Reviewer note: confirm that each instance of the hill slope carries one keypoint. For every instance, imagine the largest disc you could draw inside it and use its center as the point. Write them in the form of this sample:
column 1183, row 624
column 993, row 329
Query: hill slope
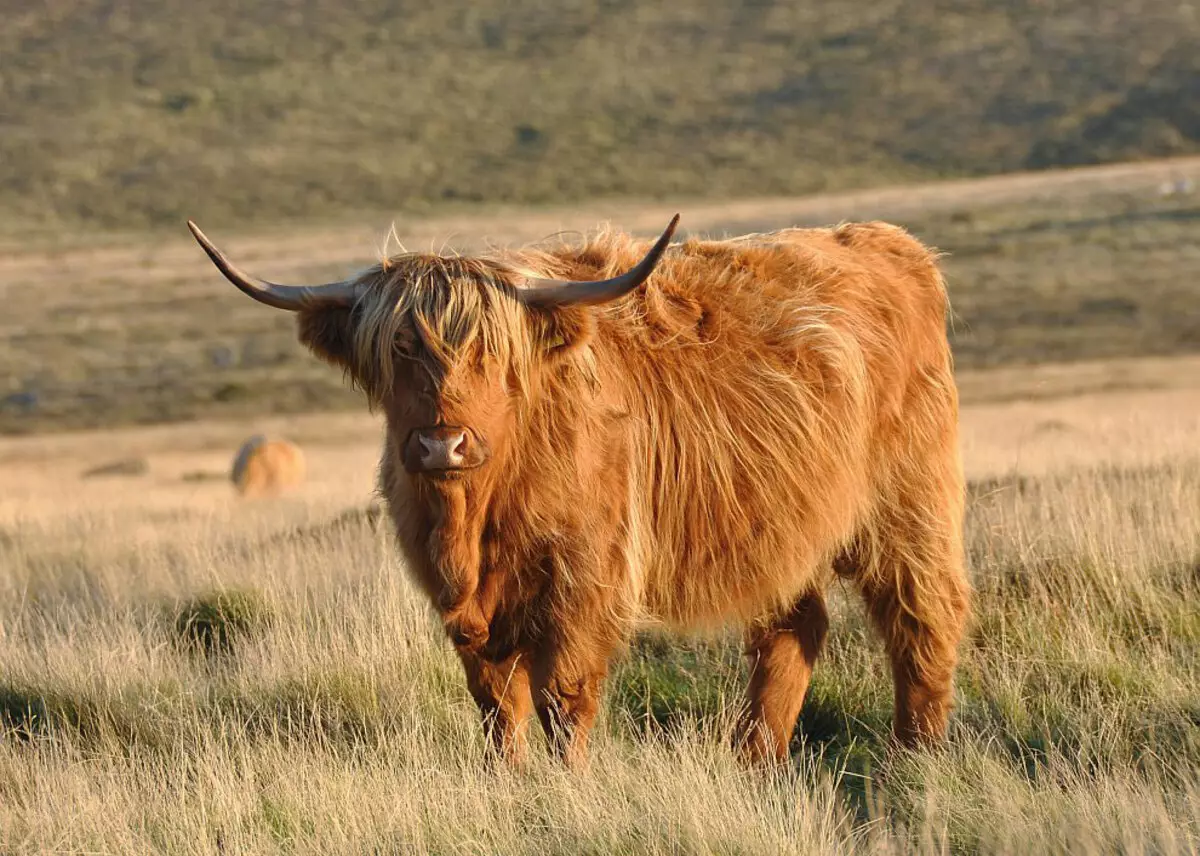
column 1084, row 264
column 134, row 113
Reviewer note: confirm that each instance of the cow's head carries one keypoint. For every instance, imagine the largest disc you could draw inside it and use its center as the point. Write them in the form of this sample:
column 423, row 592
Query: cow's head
column 450, row 348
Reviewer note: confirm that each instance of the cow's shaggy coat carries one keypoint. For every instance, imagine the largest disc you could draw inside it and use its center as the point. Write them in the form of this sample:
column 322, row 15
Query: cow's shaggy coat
column 759, row 415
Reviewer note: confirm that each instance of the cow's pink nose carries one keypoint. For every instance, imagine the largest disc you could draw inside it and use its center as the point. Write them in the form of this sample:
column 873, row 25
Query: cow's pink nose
column 444, row 452
column 442, row 448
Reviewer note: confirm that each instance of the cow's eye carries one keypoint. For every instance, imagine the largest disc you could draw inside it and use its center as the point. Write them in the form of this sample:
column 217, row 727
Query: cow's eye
column 422, row 382
column 406, row 342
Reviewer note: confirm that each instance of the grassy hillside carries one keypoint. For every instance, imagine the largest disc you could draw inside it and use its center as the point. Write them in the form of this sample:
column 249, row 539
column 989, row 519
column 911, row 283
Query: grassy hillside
column 135, row 113
column 1068, row 267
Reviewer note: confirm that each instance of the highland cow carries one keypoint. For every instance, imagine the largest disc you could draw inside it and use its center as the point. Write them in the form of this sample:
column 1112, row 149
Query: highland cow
column 265, row 467
column 573, row 451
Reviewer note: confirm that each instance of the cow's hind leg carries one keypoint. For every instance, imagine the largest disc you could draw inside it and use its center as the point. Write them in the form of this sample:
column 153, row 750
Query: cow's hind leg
column 917, row 595
column 782, row 653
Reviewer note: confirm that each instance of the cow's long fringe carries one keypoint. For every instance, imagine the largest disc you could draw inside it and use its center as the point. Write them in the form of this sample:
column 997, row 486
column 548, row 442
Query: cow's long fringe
column 456, row 308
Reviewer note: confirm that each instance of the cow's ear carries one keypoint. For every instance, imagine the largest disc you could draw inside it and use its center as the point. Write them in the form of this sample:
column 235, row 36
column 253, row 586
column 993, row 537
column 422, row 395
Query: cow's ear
column 564, row 331
column 328, row 333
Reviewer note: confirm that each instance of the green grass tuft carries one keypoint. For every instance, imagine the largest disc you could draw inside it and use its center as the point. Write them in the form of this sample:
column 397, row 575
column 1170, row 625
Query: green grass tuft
column 215, row 622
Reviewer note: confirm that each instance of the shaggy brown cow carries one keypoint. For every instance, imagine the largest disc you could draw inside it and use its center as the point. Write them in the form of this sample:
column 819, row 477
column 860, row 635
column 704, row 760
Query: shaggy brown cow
column 265, row 467
column 709, row 436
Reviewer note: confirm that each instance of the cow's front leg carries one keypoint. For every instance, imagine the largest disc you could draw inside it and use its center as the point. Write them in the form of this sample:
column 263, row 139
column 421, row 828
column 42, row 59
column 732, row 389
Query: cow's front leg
column 568, row 701
column 569, row 676
column 589, row 609
column 501, row 688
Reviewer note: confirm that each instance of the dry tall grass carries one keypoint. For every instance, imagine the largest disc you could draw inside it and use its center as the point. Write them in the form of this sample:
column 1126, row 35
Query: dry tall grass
column 213, row 677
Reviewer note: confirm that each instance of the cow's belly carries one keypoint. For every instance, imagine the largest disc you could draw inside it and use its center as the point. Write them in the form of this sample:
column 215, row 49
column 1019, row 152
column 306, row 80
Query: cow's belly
column 699, row 587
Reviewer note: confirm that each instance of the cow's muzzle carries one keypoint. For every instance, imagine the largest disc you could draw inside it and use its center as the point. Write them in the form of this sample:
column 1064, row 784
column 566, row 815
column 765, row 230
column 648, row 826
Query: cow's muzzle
column 443, row 450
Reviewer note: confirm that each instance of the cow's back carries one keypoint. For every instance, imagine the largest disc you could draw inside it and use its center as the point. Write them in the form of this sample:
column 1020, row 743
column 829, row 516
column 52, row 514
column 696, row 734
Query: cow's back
column 774, row 380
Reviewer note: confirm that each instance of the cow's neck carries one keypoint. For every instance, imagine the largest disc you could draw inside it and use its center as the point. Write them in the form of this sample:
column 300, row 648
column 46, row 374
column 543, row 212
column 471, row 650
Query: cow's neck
column 530, row 495
column 525, row 496
column 456, row 520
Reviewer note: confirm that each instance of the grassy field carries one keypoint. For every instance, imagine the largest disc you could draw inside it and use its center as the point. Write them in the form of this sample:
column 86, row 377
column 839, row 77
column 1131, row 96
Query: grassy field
column 103, row 330
column 138, row 113
column 183, row 673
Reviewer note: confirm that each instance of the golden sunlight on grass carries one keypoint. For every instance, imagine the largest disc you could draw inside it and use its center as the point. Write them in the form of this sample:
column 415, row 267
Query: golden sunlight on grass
column 186, row 673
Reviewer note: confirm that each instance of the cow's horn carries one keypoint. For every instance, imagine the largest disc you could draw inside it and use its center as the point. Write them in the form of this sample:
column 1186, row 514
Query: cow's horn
column 548, row 293
column 290, row 297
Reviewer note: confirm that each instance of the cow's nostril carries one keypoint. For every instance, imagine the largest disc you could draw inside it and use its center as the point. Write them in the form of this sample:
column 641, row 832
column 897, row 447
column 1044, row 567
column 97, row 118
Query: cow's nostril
column 442, row 448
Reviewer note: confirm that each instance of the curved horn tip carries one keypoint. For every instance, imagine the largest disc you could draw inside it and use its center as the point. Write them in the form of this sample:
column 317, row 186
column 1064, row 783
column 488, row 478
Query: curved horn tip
column 200, row 237
column 289, row 297
column 670, row 230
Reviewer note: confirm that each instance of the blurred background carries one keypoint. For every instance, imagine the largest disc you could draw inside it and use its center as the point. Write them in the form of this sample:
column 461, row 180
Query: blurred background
column 297, row 132
column 121, row 114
